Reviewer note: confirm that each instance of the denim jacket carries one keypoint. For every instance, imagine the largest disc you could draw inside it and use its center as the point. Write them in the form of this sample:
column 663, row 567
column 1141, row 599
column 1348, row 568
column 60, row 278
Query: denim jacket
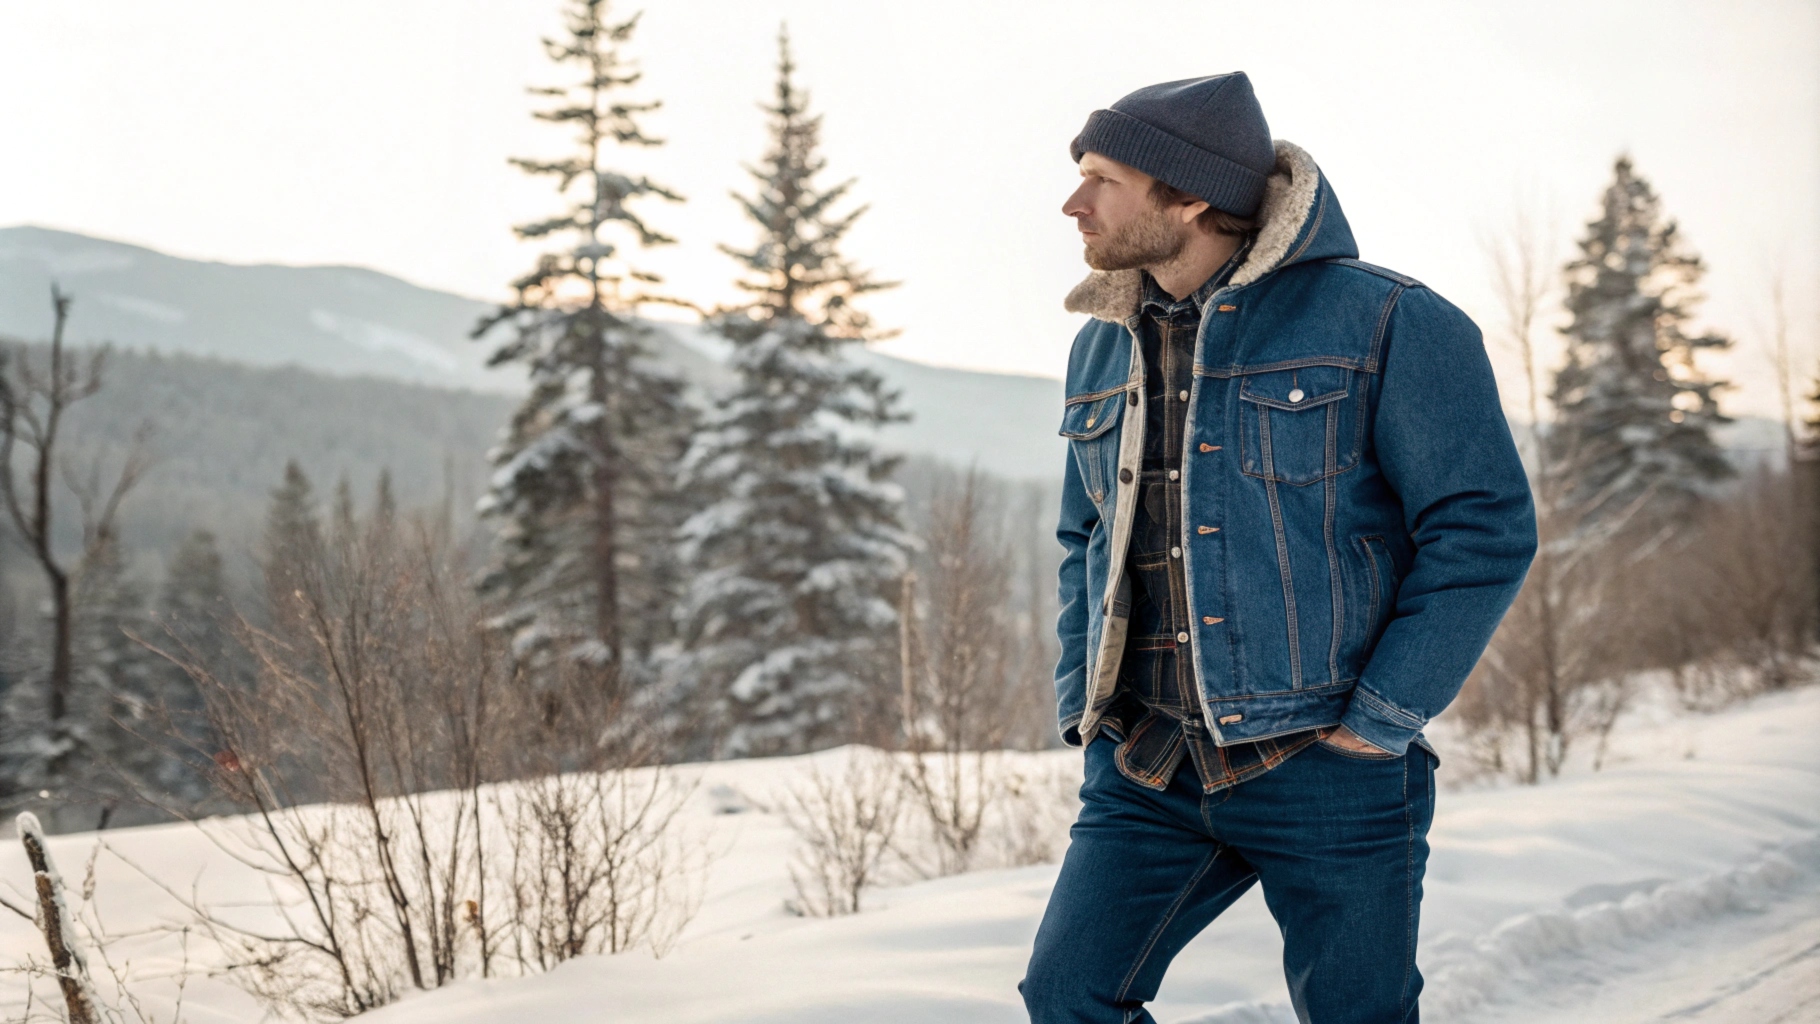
column 1356, row 518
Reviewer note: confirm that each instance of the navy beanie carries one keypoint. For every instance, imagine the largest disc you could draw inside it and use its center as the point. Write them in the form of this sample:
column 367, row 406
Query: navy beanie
column 1205, row 136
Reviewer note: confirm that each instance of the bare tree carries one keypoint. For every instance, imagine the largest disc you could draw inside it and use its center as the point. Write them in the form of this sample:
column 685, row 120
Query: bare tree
column 1783, row 363
column 960, row 688
column 34, row 401
column 1553, row 648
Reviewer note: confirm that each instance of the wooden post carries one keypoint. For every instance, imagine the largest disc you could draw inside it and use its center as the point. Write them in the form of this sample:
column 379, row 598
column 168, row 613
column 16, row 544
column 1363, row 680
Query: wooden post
column 54, row 921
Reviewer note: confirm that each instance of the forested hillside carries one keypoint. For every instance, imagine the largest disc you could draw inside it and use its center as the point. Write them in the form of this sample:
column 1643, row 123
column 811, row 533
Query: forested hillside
column 221, row 433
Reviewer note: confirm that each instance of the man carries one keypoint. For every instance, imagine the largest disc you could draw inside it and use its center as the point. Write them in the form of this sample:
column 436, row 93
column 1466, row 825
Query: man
column 1293, row 515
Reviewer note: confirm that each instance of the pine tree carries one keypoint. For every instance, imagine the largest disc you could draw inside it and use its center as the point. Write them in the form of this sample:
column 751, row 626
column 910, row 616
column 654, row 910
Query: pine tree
column 121, row 698
column 794, row 565
column 195, row 615
column 1635, row 410
column 583, row 484
column 291, row 545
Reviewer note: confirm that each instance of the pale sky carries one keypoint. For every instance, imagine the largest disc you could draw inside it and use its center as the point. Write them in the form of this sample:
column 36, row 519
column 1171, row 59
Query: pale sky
column 375, row 132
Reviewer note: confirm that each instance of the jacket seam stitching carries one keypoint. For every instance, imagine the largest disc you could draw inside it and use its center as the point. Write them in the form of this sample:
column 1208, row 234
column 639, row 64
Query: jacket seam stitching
column 1238, row 370
column 1095, row 396
column 1282, row 542
column 1333, row 556
column 1377, row 337
column 1377, row 585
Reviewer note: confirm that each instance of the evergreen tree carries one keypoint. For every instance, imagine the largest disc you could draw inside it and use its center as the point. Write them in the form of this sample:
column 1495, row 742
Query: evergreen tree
column 583, row 484
column 122, row 692
column 194, row 609
column 794, row 564
column 1635, row 411
column 291, row 545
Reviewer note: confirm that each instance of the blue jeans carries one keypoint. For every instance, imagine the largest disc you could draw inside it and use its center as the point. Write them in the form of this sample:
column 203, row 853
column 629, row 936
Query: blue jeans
column 1338, row 840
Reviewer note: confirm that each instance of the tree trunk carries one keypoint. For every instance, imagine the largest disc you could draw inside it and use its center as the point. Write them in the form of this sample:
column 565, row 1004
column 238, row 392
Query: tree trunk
column 606, row 532
column 62, row 641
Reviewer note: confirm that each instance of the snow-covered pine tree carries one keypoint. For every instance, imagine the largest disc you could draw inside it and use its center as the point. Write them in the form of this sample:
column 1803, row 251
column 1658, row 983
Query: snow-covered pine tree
column 583, row 488
column 195, row 618
column 120, row 696
column 790, row 615
column 1635, row 411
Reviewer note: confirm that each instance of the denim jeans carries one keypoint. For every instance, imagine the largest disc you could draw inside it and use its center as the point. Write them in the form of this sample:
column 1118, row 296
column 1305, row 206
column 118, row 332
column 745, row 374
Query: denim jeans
column 1337, row 839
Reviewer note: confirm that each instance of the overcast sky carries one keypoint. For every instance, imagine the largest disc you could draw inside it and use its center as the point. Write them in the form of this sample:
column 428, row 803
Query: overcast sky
column 375, row 132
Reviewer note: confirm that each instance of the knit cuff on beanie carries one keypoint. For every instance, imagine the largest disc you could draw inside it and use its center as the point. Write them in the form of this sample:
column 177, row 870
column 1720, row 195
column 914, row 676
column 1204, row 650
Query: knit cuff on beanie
column 1225, row 185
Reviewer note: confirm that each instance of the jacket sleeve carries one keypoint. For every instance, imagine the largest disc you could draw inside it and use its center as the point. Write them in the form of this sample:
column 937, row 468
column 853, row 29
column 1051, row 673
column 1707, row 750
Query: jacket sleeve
column 1445, row 448
column 1079, row 515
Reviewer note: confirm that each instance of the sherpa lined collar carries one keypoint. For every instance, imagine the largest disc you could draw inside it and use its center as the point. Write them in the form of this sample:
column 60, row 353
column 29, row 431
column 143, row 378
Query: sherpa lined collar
column 1289, row 194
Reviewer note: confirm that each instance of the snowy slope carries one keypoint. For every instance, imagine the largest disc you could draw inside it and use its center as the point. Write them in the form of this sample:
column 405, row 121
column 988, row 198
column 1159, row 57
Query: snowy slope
column 1680, row 883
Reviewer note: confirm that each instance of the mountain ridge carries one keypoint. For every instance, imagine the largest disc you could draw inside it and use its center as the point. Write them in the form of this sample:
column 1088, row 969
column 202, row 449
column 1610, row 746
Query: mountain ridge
column 350, row 321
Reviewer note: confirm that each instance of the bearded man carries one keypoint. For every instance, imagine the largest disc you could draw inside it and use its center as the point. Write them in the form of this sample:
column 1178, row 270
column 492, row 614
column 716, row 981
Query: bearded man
column 1293, row 515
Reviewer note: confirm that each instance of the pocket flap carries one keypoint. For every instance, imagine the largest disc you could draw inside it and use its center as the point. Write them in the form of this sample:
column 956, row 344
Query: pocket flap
column 1302, row 388
column 1090, row 416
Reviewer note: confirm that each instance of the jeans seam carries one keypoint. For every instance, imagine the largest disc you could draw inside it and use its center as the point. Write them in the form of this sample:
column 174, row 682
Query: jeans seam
column 1157, row 932
column 1409, row 896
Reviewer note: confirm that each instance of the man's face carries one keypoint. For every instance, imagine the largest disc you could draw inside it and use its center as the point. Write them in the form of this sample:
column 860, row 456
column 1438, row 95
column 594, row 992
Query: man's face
column 1123, row 228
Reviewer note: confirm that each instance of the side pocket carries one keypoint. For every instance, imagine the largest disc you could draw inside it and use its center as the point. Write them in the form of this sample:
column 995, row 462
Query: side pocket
column 1377, row 564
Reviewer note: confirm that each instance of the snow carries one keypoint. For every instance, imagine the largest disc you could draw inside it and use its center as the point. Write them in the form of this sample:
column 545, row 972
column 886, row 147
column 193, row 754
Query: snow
column 375, row 337
column 1681, row 883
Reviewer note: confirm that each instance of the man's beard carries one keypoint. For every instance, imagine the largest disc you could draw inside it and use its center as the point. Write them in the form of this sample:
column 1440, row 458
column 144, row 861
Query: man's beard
column 1148, row 241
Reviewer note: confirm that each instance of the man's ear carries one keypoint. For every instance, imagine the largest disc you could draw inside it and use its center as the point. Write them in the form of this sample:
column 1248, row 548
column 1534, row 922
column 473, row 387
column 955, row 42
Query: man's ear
column 1189, row 211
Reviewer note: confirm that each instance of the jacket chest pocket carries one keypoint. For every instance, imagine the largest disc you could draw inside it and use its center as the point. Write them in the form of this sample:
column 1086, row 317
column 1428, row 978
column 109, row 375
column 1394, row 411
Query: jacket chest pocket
column 1298, row 426
column 1087, row 423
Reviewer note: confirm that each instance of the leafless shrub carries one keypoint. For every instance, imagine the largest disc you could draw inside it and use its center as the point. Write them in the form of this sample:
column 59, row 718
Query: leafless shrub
column 845, row 826
column 959, row 692
column 387, row 750
column 375, row 690
column 1746, row 571
column 596, row 865
column 1037, row 801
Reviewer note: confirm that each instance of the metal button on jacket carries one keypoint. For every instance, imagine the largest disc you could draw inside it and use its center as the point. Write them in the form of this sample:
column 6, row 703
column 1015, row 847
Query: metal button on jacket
column 1124, row 476
column 1296, row 395
column 1183, row 396
column 1181, row 638
column 1175, row 474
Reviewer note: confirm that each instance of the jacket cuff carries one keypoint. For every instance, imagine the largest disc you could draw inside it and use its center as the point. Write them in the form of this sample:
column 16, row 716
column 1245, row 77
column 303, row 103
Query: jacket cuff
column 1380, row 722
column 1071, row 729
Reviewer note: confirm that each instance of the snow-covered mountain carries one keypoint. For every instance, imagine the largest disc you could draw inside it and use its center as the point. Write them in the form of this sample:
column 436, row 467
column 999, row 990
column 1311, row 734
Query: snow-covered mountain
column 349, row 321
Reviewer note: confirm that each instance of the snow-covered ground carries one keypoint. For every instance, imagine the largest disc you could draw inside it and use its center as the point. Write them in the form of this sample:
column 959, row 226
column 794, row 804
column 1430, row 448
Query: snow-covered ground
column 1681, row 883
